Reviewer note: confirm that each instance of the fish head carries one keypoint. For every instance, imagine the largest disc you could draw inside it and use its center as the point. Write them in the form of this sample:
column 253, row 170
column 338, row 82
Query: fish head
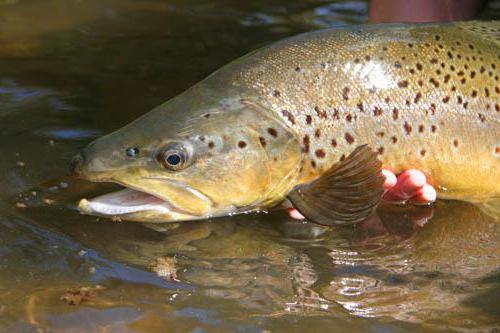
column 209, row 162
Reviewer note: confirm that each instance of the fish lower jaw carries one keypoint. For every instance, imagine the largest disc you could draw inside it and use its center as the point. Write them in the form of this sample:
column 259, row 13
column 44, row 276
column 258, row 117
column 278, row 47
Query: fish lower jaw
column 129, row 204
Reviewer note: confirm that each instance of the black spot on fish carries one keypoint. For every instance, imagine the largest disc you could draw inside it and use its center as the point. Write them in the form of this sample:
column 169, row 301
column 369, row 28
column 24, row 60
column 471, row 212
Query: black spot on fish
column 455, row 143
column 308, row 119
column 262, row 141
column 380, row 150
column 334, row 143
column 242, row 144
column 272, row 132
column 345, row 93
column 394, row 139
column 418, row 96
column 360, row 107
column 482, row 118
column 336, row 114
column 289, row 116
column 306, row 143
column 395, row 114
column 317, row 133
column 403, row 84
column 276, row 93
column 322, row 114
column 377, row 111
column 211, row 145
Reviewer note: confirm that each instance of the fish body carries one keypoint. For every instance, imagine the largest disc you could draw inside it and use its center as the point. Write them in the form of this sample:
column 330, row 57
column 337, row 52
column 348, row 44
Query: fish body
column 424, row 96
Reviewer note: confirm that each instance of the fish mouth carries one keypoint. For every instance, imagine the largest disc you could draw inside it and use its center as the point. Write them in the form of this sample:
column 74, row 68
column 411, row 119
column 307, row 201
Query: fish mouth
column 134, row 204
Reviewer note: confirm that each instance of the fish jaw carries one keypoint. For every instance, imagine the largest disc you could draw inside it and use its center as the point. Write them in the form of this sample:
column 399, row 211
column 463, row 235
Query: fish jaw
column 132, row 205
column 148, row 198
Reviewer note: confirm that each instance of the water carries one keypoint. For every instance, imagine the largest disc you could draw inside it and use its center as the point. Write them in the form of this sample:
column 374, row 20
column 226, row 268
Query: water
column 73, row 70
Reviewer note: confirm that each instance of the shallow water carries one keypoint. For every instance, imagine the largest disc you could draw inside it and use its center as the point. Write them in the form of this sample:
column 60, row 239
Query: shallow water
column 73, row 70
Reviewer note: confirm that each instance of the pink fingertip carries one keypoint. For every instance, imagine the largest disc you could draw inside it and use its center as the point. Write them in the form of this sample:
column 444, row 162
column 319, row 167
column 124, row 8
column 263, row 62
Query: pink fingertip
column 427, row 194
column 390, row 179
column 412, row 182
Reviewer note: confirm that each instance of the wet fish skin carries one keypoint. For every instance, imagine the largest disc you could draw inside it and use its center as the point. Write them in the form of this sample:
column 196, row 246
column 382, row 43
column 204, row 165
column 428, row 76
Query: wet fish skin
column 425, row 96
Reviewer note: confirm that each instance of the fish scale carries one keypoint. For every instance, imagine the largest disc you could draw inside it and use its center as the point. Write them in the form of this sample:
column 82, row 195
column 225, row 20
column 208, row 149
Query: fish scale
column 423, row 96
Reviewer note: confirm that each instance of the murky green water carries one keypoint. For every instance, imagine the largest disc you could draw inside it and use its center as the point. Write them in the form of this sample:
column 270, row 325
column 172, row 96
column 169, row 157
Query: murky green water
column 72, row 70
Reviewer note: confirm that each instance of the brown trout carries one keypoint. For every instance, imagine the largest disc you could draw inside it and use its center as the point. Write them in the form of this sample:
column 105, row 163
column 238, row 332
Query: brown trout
column 311, row 119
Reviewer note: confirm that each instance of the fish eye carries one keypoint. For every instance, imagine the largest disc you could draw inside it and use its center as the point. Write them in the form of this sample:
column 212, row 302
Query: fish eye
column 173, row 157
column 132, row 151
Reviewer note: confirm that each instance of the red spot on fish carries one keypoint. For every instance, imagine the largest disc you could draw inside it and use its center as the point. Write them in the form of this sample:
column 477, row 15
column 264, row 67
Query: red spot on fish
column 322, row 114
column 377, row 111
column 349, row 138
column 407, row 127
column 320, row 153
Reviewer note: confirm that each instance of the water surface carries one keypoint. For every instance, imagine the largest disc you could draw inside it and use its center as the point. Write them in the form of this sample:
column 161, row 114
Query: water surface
column 72, row 70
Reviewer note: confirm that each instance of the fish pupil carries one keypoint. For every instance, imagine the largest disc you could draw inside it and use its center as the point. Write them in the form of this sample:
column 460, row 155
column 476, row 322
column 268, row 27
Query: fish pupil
column 173, row 159
column 132, row 151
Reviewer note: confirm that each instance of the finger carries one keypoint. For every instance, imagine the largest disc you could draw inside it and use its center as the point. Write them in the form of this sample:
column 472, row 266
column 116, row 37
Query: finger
column 390, row 179
column 426, row 194
column 409, row 183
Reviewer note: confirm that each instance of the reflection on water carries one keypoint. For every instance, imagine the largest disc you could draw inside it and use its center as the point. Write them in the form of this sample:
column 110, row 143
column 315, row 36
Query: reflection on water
column 84, row 68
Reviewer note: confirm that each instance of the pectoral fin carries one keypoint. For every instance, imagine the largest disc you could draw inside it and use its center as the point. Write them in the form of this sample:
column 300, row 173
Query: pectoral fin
column 347, row 193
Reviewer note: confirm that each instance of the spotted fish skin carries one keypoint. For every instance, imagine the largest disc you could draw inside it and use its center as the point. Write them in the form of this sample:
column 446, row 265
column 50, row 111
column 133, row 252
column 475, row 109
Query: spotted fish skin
column 424, row 96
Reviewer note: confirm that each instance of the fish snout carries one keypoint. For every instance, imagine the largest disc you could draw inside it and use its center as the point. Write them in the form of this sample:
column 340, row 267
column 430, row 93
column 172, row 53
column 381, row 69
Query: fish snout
column 76, row 164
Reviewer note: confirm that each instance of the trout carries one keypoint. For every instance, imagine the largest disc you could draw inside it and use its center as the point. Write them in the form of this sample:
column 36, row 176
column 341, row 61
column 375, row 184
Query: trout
column 312, row 119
